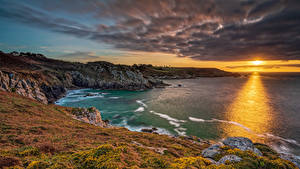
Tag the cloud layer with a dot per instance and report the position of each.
(200, 29)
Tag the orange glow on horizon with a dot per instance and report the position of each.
(165, 59)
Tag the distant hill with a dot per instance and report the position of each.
(44, 79)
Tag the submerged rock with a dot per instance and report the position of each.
(147, 130)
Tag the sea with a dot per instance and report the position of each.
(264, 107)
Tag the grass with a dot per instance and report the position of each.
(34, 135)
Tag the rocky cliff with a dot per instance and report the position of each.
(46, 80)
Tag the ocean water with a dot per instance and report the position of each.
(262, 107)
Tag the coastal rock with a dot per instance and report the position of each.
(90, 115)
(229, 158)
(241, 143)
(146, 130)
(211, 151)
(22, 85)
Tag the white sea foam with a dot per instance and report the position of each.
(181, 129)
(268, 135)
(139, 128)
(167, 117)
(196, 119)
(221, 121)
(181, 133)
(140, 109)
(114, 97)
(174, 123)
(279, 148)
(141, 103)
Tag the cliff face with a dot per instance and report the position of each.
(46, 80)
(23, 86)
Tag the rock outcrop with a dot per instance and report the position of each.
(89, 115)
(12, 82)
(46, 80)
(241, 143)
(230, 150)
(211, 151)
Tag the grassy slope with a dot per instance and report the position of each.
(35, 135)
(25, 122)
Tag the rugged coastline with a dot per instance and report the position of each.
(35, 134)
(46, 80)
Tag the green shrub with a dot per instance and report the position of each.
(267, 151)
(190, 162)
(105, 156)
(37, 165)
(27, 151)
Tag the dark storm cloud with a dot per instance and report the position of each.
(200, 29)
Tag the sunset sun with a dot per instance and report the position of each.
(257, 62)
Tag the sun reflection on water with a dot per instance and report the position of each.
(250, 109)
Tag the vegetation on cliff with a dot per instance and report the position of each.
(35, 135)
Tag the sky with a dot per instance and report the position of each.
(227, 34)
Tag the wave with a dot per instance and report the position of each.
(114, 97)
(221, 121)
(266, 135)
(174, 123)
(139, 128)
(167, 117)
(140, 109)
(182, 133)
(141, 103)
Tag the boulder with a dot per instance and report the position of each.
(241, 143)
(229, 158)
(211, 151)
(90, 115)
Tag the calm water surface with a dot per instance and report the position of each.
(265, 108)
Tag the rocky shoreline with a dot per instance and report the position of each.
(46, 80)
(216, 151)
